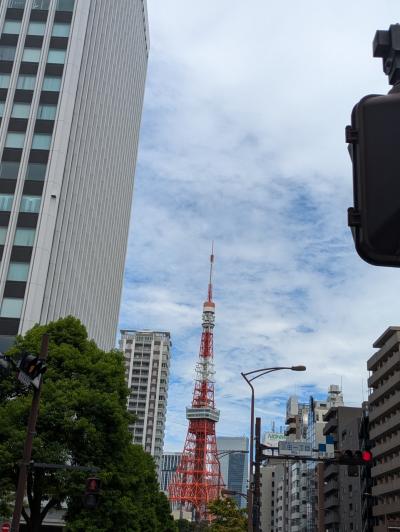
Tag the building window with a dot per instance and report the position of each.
(11, 307)
(20, 110)
(61, 29)
(51, 83)
(6, 201)
(12, 27)
(36, 172)
(36, 28)
(56, 56)
(26, 82)
(47, 112)
(15, 140)
(9, 170)
(3, 234)
(31, 55)
(2, 104)
(24, 237)
(7, 53)
(65, 5)
(30, 204)
(41, 141)
(18, 271)
(16, 4)
(41, 4)
(4, 81)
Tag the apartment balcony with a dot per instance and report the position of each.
(331, 426)
(388, 447)
(385, 388)
(378, 411)
(383, 509)
(380, 373)
(386, 488)
(387, 343)
(331, 486)
(331, 470)
(378, 431)
(332, 518)
(331, 502)
(387, 467)
(290, 430)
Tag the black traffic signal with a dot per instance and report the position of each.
(357, 458)
(91, 497)
(374, 145)
(32, 366)
(5, 366)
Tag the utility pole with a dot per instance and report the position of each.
(26, 458)
(257, 477)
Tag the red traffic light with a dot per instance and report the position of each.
(92, 485)
(366, 456)
(5, 527)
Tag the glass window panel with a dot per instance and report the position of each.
(24, 237)
(15, 140)
(36, 28)
(65, 5)
(11, 307)
(41, 141)
(61, 29)
(41, 4)
(7, 53)
(3, 234)
(36, 171)
(12, 26)
(18, 271)
(56, 56)
(2, 104)
(31, 55)
(6, 201)
(21, 110)
(51, 83)
(47, 112)
(26, 82)
(9, 170)
(30, 204)
(4, 81)
(17, 4)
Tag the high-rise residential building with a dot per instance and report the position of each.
(72, 77)
(169, 463)
(384, 429)
(234, 465)
(296, 419)
(147, 362)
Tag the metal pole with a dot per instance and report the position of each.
(26, 458)
(250, 487)
(257, 478)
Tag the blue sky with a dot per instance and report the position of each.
(242, 142)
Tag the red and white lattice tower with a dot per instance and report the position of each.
(197, 480)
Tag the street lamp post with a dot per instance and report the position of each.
(255, 374)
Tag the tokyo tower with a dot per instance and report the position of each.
(197, 480)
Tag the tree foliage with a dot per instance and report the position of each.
(83, 420)
(228, 517)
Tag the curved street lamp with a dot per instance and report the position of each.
(255, 374)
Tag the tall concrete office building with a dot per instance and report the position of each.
(72, 77)
(234, 465)
(384, 429)
(169, 464)
(147, 362)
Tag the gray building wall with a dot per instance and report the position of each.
(79, 249)
(234, 466)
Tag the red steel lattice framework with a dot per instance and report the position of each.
(197, 480)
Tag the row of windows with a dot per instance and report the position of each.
(28, 203)
(27, 82)
(22, 110)
(13, 27)
(24, 236)
(32, 55)
(62, 5)
(40, 141)
(34, 172)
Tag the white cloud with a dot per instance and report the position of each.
(243, 142)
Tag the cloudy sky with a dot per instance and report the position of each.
(242, 143)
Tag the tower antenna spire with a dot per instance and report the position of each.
(211, 272)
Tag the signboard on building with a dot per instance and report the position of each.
(294, 448)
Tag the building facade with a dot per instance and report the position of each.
(384, 429)
(169, 463)
(72, 77)
(147, 363)
(234, 465)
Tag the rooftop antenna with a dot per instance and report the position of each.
(211, 271)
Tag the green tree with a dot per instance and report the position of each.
(83, 420)
(228, 517)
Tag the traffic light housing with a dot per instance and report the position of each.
(374, 146)
(32, 366)
(354, 459)
(5, 366)
(92, 492)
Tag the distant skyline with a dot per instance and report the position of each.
(242, 142)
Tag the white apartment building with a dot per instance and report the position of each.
(147, 362)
